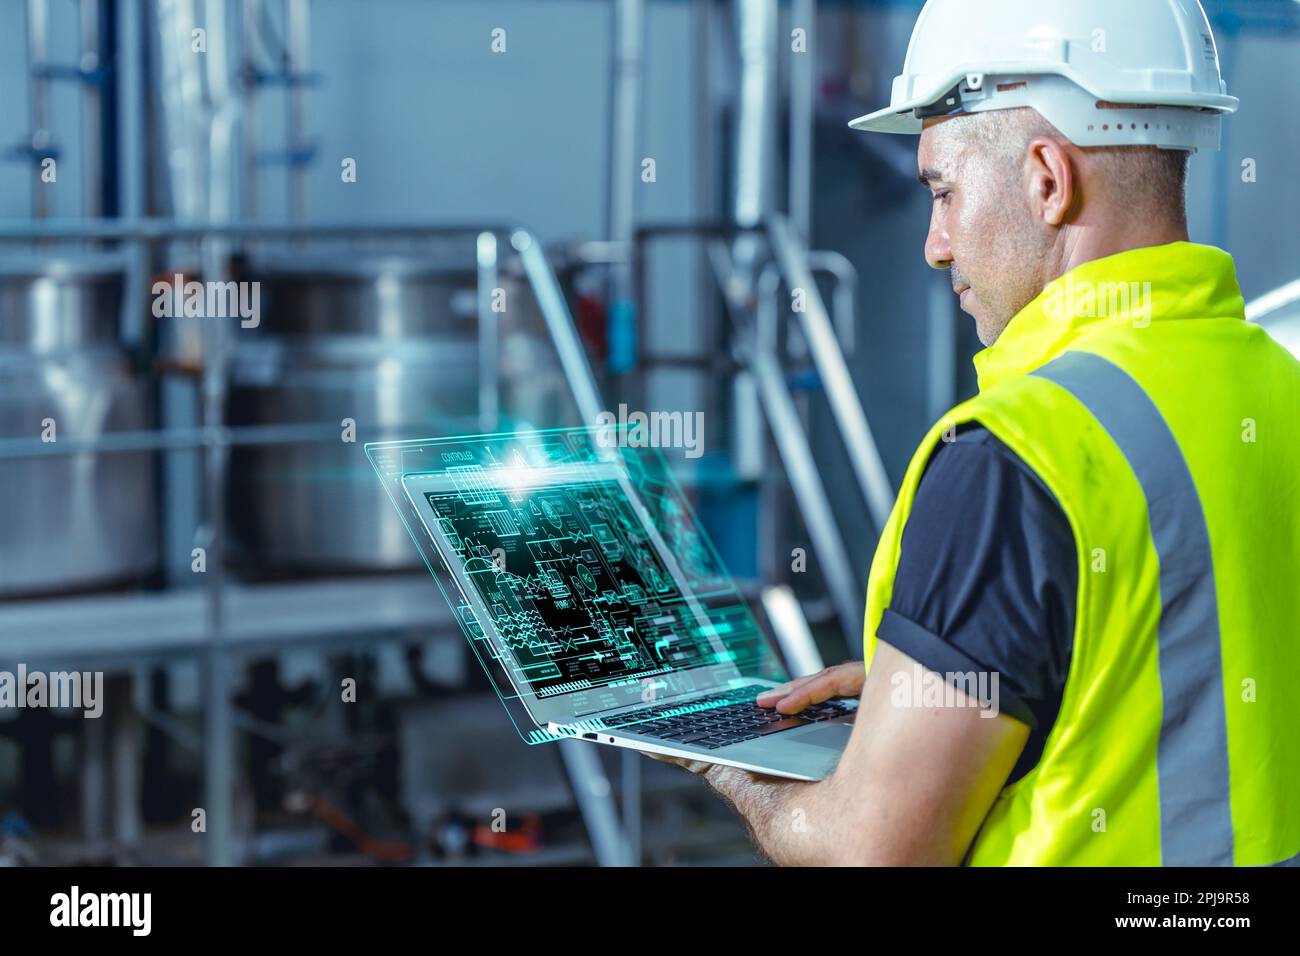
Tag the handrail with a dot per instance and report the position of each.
(564, 335)
(844, 296)
(864, 455)
(795, 451)
(22, 230)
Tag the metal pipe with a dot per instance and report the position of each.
(186, 106)
(38, 99)
(625, 68)
(592, 790)
(550, 300)
(755, 148)
(162, 229)
(132, 168)
(792, 443)
(711, 332)
(489, 390)
(791, 630)
(630, 786)
(626, 334)
(224, 119)
(298, 51)
(844, 294)
(218, 726)
(771, 489)
(248, 20)
(92, 132)
(218, 718)
(177, 439)
(803, 77)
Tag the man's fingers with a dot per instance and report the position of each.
(796, 694)
(843, 681)
(820, 688)
(769, 697)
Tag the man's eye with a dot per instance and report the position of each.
(942, 195)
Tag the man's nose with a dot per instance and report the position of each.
(937, 251)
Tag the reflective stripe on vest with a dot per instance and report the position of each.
(1192, 756)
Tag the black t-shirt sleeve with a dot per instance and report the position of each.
(987, 580)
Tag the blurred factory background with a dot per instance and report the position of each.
(648, 180)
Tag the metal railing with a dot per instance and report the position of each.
(754, 324)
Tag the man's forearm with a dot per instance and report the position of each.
(780, 814)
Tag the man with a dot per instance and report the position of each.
(1108, 535)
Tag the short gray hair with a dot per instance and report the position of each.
(1152, 179)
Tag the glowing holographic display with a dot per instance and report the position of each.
(577, 572)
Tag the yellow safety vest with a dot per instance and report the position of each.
(1168, 428)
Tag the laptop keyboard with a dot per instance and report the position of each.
(730, 718)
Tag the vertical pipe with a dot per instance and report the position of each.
(218, 721)
(131, 159)
(218, 724)
(38, 99)
(92, 131)
(592, 791)
(753, 159)
(489, 392)
(124, 746)
(248, 22)
(631, 787)
(298, 42)
(803, 77)
(706, 210)
(92, 781)
(624, 175)
(755, 148)
(751, 441)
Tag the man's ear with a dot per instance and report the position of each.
(1053, 180)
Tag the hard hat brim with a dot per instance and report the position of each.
(901, 118)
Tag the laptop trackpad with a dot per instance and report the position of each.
(832, 736)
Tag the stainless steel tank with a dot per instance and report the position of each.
(389, 342)
(89, 519)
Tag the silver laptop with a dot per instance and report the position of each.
(589, 612)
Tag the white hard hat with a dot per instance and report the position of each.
(1103, 72)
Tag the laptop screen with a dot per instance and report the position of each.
(585, 598)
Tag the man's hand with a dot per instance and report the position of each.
(843, 680)
(912, 787)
